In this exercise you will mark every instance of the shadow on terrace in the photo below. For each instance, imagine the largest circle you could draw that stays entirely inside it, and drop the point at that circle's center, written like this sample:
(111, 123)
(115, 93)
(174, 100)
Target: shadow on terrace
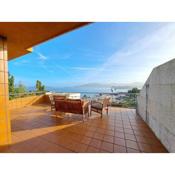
(35, 128)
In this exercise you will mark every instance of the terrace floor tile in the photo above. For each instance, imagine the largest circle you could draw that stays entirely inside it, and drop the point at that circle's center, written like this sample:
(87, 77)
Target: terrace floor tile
(35, 129)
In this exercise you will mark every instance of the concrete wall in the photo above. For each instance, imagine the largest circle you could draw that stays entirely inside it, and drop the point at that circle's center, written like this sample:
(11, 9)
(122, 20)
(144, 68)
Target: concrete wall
(156, 103)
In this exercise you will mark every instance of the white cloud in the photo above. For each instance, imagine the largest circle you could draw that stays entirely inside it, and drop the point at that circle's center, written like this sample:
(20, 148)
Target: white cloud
(135, 61)
(83, 68)
(21, 62)
(40, 56)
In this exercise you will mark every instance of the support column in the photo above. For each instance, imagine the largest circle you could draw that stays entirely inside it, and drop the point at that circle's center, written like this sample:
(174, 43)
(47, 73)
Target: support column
(5, 128)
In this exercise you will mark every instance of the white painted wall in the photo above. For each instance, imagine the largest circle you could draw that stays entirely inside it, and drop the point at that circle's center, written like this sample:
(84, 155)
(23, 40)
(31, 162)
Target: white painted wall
(160, 103)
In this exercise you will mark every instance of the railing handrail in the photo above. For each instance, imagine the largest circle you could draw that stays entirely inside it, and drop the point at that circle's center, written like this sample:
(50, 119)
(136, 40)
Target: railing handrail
(103, 93)
(111, 93)
(25, 93)
(129, 98)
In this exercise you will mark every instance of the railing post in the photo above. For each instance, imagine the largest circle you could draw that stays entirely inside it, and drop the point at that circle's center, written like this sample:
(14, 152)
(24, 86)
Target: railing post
(136, 104)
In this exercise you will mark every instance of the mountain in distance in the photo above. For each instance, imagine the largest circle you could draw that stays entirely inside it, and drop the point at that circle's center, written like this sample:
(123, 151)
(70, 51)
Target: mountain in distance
(109, 85)
(92, 86)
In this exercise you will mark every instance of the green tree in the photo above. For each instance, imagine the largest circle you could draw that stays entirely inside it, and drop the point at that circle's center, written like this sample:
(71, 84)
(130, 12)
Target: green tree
(20, 88)
(11, 84)
(134, 90)
(11, 81)
(39, 86)
(42, 88)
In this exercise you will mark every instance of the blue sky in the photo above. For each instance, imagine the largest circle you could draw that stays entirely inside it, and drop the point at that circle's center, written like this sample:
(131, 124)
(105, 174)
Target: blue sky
(100, 53)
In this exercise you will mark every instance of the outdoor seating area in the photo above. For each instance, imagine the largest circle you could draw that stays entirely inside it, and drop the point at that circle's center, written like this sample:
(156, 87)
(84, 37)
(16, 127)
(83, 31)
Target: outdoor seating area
(36, 129)
(61, 103)
(72, 106)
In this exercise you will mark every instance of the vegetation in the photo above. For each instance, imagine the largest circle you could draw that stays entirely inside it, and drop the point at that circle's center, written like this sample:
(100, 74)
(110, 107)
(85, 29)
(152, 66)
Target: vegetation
(39, 86)
(134, 90)
(11, 83)
(20, 90)
(128, 101)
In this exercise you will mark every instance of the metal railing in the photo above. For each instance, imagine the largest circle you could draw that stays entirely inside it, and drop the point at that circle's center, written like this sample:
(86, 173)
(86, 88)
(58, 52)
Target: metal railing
(25, 94)
(120, 99)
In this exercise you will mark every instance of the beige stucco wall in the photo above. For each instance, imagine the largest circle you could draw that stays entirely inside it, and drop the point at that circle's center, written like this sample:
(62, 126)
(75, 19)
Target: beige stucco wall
(26, 101)
(160, 103)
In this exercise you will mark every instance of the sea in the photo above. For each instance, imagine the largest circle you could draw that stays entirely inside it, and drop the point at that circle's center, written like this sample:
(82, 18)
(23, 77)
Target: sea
(86, 91)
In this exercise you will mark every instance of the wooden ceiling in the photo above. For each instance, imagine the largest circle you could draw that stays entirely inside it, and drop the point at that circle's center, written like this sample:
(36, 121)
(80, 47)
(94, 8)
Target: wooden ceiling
(22, 36)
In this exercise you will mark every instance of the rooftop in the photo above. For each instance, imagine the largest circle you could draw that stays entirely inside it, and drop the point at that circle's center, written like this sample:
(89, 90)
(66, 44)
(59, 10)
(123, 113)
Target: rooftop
(36, 129)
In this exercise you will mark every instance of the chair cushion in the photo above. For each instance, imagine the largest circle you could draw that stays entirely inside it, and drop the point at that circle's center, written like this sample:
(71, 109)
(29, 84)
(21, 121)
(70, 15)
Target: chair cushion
(96, 105)
(59, 97)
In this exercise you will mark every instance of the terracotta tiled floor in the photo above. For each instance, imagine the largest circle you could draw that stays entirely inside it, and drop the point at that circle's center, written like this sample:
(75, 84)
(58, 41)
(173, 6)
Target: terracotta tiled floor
(36, 129)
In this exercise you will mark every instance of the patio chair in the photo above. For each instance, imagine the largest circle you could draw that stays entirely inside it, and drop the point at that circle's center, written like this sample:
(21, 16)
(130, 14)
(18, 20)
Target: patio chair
(98, 106)
(52, 103)
(52, 99)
